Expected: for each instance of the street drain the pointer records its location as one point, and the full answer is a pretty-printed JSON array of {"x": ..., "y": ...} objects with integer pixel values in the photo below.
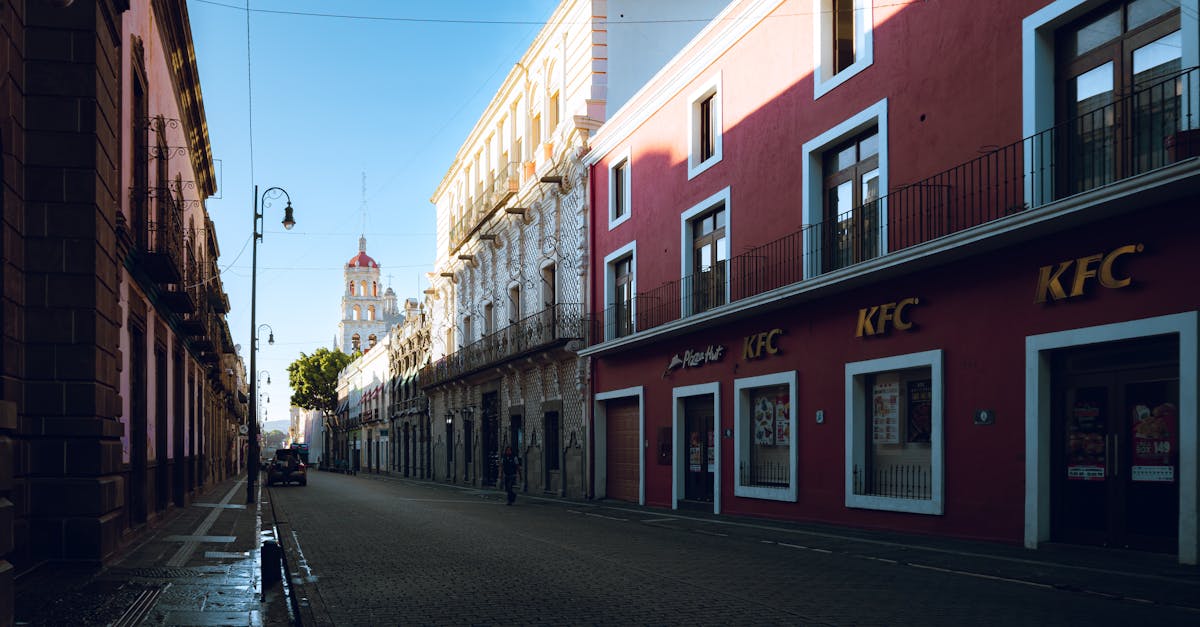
[{"x": 157, "y": 573}]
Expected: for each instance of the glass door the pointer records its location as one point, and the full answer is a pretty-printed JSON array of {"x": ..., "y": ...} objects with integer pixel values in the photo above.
[
  {"x": 701, "y": 460},
  {"x": 1116, "y": 450}
]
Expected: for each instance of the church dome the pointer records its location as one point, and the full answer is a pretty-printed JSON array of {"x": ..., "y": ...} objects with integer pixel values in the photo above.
[{"x": 362, "y": 259}]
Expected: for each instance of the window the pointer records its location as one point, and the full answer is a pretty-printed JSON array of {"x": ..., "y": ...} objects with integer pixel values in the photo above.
[
  {"x": 704, "y": 120},
  {"x": 355, "y": 342},
  {"x": 514, "y": 304},
  {"x": 374, "y": 288},
  {"x": 764, "y": 437},
  {"x": 357, "y": 313},
  {"x": 620, "y": 285},
  {"x": 1108, "y": 77},
  {"x": 894, "y": 433},
  {"x": 705, "y": 246},
  {"x": 844, "y": 42},
  {"x": 618, "y": 190},
  {"x": 552, "y": 113},
  {"x": 549, "y": 283},
  {"x": 489, "y": 319},
  {"x": 1119, "y": 67},
  {"x": 466, "y": 329},
  {"x": 844, "y": 173},
  {"x": 352, "y": 288},
  {"x": 535, "y": 132},
  {"x": 370, "y": 312},
  {"x": 850, "y": 228},
  {"x": 373, "y": 340}
]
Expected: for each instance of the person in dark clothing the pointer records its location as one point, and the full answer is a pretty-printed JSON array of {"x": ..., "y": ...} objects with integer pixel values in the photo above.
[{"x": 510, "y": 469}]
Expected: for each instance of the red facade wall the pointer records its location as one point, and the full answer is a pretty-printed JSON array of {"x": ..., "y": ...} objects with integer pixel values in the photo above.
[{"x": 977, "y": 309}]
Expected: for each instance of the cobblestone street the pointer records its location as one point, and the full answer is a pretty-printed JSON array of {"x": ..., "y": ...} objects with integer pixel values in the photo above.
[{"x": 369, "y": 550}]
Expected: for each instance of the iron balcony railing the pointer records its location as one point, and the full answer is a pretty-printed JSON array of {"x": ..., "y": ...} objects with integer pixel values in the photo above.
[
  {"x": 899, "y": 481},
  {"x": 491, "y": 195},
  {"x": 1153, "y": 126},
  {"x": 554, "y": 325}
]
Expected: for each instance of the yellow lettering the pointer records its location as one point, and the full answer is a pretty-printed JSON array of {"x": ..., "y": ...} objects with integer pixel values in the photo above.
[
  {"x": 1048, "y": 282},
  {"x": 772, "y": 347},
  {"x": 1083, "y": 272},
  {"x": 1107, "y": 279},
  {"x": 748, "y": 351},
  {"x": 885, "y": 314},
  {"x": 903, "y": 323},
  {"x": 865, "y": 326}
]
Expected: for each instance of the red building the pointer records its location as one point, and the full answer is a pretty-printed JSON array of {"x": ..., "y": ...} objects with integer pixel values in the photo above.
[{"x": 904, "y": 267}]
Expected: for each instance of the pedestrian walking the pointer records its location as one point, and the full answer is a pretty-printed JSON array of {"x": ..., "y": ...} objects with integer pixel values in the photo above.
[{"x": 510, "y": 468}]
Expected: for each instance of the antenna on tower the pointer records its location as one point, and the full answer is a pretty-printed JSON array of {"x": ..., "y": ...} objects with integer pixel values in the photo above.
[{"x": 364, "y": 202}]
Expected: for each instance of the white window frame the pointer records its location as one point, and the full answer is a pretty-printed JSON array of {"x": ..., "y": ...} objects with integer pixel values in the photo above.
[
  {"x": 685, "y": 240},
  {"x": 858, "y": 426},
  {"x": 622, "y": 159},
  {"x": 599, "y": 435},
  {"x": 1038, "y": 408},
  {"x": 1038, "y": 69},
  {"x": 742, "y": 415},
  {"x": 813, "y": 179},
  {"x": 610, "y": 285},
  {"x": 864, "y": 45},
  {"x": 679, "y": 450},
  {"x": 711, "y": 87}
]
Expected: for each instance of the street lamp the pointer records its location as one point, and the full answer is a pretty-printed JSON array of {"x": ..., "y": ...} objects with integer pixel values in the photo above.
[
  {"x": 261, "y": 372},
  {"x": 268, "y": 195},
  {"x": 270, "y": 336}
]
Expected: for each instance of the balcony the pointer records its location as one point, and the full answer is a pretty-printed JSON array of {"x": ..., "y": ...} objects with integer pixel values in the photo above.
[
  {"x": 489, "y": 198},
  {"x": 552, "y": 327},
  {"x": 162, "y": 254},
  {"x": 1148, "y": 129}
]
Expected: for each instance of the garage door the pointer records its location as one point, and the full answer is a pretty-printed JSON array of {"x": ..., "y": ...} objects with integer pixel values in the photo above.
[{"x": 623, "y": 449}]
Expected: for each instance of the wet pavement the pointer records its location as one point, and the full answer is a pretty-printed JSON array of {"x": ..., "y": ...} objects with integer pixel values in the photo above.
[{"x": 196, "y": 565}]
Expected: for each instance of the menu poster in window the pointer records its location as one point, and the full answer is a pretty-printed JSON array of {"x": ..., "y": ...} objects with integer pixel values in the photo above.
[
  {"x": 783, "y": 422},
  {"x": 886, "y": 413},
  {"x": 920, "y": 410},
  {"x": 1086, "y": 442},
  {"x": 694, "y": 454},
  {"x": 1155, "y": 437},
  {"x": 712, "y": 460},
  {"x": 764, "y": 421}
]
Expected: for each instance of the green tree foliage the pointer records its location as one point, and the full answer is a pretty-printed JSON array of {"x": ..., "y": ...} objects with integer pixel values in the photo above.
[
  {"x": 274, "y": 439},
  {"x": 314, "y": 379}
]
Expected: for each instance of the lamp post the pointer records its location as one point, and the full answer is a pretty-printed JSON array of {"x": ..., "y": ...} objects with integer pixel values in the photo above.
[{"x": 268, "y": 195}]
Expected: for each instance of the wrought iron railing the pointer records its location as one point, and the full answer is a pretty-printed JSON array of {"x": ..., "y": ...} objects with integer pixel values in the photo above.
[
  {"x": 899, "y": 481},
  {"x": 1154, "y": 126},
  {"x": 553, "y": 325},
  {"x": 765, "y": 474}
]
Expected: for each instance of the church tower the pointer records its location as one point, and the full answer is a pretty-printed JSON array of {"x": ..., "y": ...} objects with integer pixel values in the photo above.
[{"x": 366, "y": 310}]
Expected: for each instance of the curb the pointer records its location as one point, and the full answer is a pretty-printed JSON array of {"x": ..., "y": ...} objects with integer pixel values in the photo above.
[{"x": 306, "y": 606}]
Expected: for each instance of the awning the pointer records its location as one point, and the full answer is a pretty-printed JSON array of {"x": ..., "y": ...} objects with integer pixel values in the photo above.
[{"x": 342, "y": 406}]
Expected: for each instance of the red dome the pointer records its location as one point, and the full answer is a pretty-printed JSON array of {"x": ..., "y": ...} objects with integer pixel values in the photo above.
[{"x": 362, "y": 260}]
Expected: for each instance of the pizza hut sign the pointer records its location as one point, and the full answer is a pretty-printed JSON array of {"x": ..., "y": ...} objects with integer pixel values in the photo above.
[{"x": 695, "y": 358}]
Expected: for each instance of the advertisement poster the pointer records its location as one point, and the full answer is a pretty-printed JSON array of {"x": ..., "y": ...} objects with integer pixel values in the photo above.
[
  {"x": 694, "y": 452},
  {"x": 783, "y": 423},
  {"x": 1086, "y": 437},
  {"x": 712, "y": 462},
  {"x": 886, "y": 413},
  {"x": 764, "y": 421},
  {"x": 920, "y": 410},
  {"x": 1155, "y": 442}
]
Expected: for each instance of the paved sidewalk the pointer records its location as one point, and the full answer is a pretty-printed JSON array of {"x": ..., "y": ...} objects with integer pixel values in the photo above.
[{"x": 198, "y": 565}]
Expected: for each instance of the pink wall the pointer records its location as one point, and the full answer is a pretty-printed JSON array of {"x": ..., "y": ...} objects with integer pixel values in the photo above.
[{"x": 984, "y": 361}]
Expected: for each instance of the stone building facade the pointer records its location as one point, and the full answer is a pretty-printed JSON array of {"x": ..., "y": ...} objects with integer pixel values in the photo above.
[{"x": 119, "y": 384}]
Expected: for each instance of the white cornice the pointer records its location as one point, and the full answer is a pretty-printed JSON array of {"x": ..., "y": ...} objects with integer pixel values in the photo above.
[{"x": 686, "y": 66}]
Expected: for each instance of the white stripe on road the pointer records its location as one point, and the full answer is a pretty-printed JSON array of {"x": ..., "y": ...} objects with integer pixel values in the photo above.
[{"x": 1033, "y": 584}]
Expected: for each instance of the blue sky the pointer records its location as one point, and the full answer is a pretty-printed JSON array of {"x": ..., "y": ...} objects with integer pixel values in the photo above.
[{"x": 325, "y": 100}]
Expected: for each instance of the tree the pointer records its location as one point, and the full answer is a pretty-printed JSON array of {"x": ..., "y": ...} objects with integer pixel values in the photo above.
[{"x": 314, "y": 379}]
